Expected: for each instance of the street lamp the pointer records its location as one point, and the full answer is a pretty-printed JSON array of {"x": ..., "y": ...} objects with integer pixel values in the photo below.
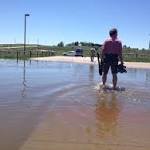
[
  {"x": 25, "y": 25},
  {"x": 149, "y": 42}
]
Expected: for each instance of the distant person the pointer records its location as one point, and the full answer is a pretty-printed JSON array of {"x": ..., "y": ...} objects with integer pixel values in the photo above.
[
  {"x": 92, "y": 53},
  {"x": 111, "y": 54}
]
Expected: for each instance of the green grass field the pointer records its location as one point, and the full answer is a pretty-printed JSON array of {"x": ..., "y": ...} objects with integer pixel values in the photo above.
[{"x": 12, "y": 51}]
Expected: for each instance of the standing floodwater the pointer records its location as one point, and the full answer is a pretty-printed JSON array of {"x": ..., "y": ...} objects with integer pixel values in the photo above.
[{"x": 52, "y": 106}]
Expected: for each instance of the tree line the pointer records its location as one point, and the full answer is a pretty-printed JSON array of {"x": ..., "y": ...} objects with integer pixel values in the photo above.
[{"x": 87, "y": 44}]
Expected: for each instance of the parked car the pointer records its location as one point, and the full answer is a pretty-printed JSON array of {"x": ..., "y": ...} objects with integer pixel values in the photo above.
[
  {"x": 79, "y": 52},
  {"x": 69, "y": 53}
]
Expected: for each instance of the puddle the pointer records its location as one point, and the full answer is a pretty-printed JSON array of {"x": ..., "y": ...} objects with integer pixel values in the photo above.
[{"x": 47, "y": 103}]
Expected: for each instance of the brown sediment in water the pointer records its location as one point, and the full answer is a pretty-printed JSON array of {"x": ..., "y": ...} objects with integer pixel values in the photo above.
[
  {"x": 87, "y": 60},
  {"x": 71, "y": 115},
  {"x": 106, "y": 126}
]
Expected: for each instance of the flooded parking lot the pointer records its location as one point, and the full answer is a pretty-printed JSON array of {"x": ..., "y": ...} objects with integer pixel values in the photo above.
[{"x": 52, "y": 106}]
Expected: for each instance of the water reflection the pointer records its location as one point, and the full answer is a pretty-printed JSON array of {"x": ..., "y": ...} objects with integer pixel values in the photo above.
[
  {"x": 107, "y": 113},
  {"x": 91, "y": 72},
  {"x": 147, "y": 76},
  {"x": 133, "y": 73},
  {"x": 24, "y": 82}
]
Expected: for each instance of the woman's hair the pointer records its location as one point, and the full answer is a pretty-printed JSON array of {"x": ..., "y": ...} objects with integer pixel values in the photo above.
[{"x": 113, "y": 31}]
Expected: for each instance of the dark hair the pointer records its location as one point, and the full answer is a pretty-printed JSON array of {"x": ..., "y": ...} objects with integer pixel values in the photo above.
[{"x": 113, "y": 31}]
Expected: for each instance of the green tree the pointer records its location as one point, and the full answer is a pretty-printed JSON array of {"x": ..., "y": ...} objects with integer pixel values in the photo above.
[
  {"x": 76, "y": 43},
  {"x": 61, "y": 44}
]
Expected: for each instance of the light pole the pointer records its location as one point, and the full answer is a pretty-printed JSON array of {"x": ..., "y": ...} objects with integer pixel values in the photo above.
[
  {"x": 25, "y": 25},
  {"x": 149, "y": 42},
  {"x": 24, "y": 66},
  {"x": 37, "y": 43}
]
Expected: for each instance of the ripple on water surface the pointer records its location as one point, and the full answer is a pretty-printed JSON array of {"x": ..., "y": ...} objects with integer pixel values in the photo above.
[{"x": 58, "y": 104}]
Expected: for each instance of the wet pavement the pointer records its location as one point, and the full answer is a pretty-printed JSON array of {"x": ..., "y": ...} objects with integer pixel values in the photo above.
[{"x": 53, "y": 106}]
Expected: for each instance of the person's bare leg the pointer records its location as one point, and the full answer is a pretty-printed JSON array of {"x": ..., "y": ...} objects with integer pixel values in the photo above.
[
  {"x": 114, "y": 81},
  {"x": 104, "y": 78}
]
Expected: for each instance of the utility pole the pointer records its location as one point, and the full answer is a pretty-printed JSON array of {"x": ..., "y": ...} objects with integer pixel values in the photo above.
[
  {"x": 25, "y": 26},
  {"x": 37, "y": 43}
]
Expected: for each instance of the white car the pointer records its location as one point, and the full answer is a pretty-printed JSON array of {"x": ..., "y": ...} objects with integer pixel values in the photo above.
[{"x": 69, "y": 53}]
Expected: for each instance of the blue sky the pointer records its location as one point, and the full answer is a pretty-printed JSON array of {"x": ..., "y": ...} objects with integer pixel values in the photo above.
[{"x": 52, "y": 21}]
